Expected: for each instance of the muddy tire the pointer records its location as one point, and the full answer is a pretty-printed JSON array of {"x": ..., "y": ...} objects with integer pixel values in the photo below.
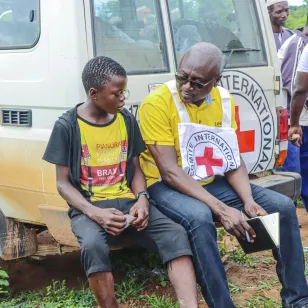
[{"x": 16, "y": 239}]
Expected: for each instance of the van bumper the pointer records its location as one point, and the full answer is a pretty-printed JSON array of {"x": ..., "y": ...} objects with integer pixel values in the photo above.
[{"x": 286, "y": 183}]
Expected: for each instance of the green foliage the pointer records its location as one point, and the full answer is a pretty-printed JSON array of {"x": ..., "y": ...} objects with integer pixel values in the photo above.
[
  {"x": 297, "y": 17},
  {"x": 4, "y": 283}
]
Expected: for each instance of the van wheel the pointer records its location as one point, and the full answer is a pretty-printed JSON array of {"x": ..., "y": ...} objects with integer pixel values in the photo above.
[{"x": 16, "y": 239}]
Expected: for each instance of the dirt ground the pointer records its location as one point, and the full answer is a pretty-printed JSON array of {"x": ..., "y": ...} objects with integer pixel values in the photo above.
[{"x": 33, "y": 275}]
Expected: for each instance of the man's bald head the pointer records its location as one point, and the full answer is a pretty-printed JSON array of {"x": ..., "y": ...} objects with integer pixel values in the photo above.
[
  {"x": 199, "y": 71},
  {"x": 203, "y": 55}
]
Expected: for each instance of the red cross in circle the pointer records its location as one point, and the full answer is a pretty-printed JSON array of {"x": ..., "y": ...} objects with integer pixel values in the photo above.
[{"x": 209, "y": 161}]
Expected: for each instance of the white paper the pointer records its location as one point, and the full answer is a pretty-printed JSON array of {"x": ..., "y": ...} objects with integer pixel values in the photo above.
[
  {"x": 129, "y": 219},
  {"x": 271, "y": 223}
]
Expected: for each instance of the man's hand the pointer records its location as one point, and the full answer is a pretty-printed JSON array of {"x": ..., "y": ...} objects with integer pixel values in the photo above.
[
  {"x": 253, "y": 209},
  {"x": 141, "y": 211},
  {"x": 112, "y": 220},
  {"x": 296, "y": 135},
  {"x": 235, "y": 223}
]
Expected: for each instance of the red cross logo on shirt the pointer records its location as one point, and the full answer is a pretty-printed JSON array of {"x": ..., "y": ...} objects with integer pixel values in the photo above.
[{"x": 209, "y": 161}]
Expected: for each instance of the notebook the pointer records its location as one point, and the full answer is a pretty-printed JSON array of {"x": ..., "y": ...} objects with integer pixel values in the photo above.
[{"x": 267, "y": 229}]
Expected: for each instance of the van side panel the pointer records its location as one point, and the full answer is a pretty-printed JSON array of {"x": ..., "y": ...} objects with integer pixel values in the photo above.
[{"x": 47, "y": 79}]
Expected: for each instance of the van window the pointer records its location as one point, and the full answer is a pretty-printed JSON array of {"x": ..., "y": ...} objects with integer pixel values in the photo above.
[
  {"x": 19, "y": 24},
  {"x": 130, "y": 32},
  {"x": 228, "y": 24}
]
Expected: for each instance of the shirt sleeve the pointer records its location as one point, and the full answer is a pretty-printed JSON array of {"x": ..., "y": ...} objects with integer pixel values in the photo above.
[
  {"x": 57, "y": 151},
  {"x": 138, "y": 144},
  {"x": 234, "y": 124},
  {"x": 303, "y": 62},
  {"x": 155, "y": 123}
]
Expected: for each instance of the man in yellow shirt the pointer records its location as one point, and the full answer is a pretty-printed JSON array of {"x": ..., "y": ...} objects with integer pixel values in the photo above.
[
  {"x": 96, "y": 147},
  {"x": 179, "y": 122}
]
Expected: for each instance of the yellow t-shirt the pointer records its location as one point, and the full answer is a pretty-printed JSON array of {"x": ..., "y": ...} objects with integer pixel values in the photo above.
[
  {"x": 159, "y": 121},
  {"x": 103, "y": 159}
]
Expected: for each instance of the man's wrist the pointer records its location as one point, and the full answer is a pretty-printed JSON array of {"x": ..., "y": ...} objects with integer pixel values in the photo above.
[{"x": 220, "y": 211}]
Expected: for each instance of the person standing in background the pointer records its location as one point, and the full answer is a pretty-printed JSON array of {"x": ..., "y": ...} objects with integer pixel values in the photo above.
[
  {"x": 299, "y": 114},
  {"x": 289, "y": 55},
  {"x": 279, "y": 12}
]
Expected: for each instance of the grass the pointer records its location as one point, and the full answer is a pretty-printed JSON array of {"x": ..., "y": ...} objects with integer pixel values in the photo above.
[
  {"x": 155, "y": 301},
  {"x": 139, "y": 272},
  {"x": 267, "y": 285},
  {"x": 57, "y": 295},
  {"x": 129, "y": 290},
  {"x": 235, "y": 289},
  {"x": 260, "y": 301},
  {"x": 240, "y": 257}
]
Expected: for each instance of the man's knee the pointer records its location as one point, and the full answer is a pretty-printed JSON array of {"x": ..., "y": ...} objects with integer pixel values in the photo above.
[
  {"x": 202, "y": 219},
  {"x": 285, "y": 206}
]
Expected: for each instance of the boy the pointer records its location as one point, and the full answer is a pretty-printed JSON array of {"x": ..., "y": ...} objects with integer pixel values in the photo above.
[{"x": 95, "y": 147}]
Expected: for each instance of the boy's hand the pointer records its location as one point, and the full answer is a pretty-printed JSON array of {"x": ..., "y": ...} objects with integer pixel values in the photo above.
[
  {"x": 112, "y": 220},
  {"x": 141, "y": 211}
]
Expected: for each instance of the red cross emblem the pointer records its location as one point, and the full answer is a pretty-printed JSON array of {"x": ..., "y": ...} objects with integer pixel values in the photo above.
[
  {"x": 246, "y": 139},
  {"x": 209, "y": 161}
]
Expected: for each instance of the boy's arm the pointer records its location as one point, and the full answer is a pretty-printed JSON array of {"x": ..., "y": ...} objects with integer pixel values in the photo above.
[
  {"x": 141, "y": 207},
  {"x": 112, "y": 220}
]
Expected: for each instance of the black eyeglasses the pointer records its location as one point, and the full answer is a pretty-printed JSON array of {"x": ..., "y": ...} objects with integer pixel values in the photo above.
[{"x": 196, "y": 85}]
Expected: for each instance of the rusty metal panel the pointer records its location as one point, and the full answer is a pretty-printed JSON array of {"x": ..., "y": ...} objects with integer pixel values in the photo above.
[{"x": 58, "y": 224}]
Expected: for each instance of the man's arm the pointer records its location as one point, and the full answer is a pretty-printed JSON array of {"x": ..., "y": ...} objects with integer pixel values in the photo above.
[
  {"x": 174, "y": 176},
  {"x": 299, "y": 98},
  {"x": 112, "y": 220},
  {"x": 141, "y": 207},
  {"x": 239, "y": 181}
]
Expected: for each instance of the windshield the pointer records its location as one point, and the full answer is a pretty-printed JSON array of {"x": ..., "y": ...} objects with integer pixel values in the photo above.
[
  {"x": 228, "y": 24},
  {"x": 131, "y": 32}
]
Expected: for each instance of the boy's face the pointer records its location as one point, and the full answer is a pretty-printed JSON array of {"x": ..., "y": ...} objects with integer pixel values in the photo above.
[{"x": 110, "y": 97}]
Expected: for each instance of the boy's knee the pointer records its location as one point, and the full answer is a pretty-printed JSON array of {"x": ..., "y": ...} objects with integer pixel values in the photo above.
[
  {"x": 178, "y": 232},
  {"x": 175, "y": 243},
  {"x": 95, "y": 255}
]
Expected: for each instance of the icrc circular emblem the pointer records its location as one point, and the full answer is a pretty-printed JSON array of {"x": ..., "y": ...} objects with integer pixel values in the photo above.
[
  {"x": 256, "y": 130},
  {"x": 209, "y": 154}
]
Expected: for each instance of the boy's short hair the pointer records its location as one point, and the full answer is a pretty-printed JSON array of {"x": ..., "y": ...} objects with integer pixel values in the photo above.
[{"x": 99, "y": 71}]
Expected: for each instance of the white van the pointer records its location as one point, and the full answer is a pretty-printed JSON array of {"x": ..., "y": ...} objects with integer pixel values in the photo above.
[{"x": 44, "y": 46}]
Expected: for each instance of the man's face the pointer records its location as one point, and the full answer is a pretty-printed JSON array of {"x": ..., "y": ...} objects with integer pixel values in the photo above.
[
  {"x": 195, "y": 81},
  {"x": 111, "y": 96},
  {"x": 279, "y": 14}
]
